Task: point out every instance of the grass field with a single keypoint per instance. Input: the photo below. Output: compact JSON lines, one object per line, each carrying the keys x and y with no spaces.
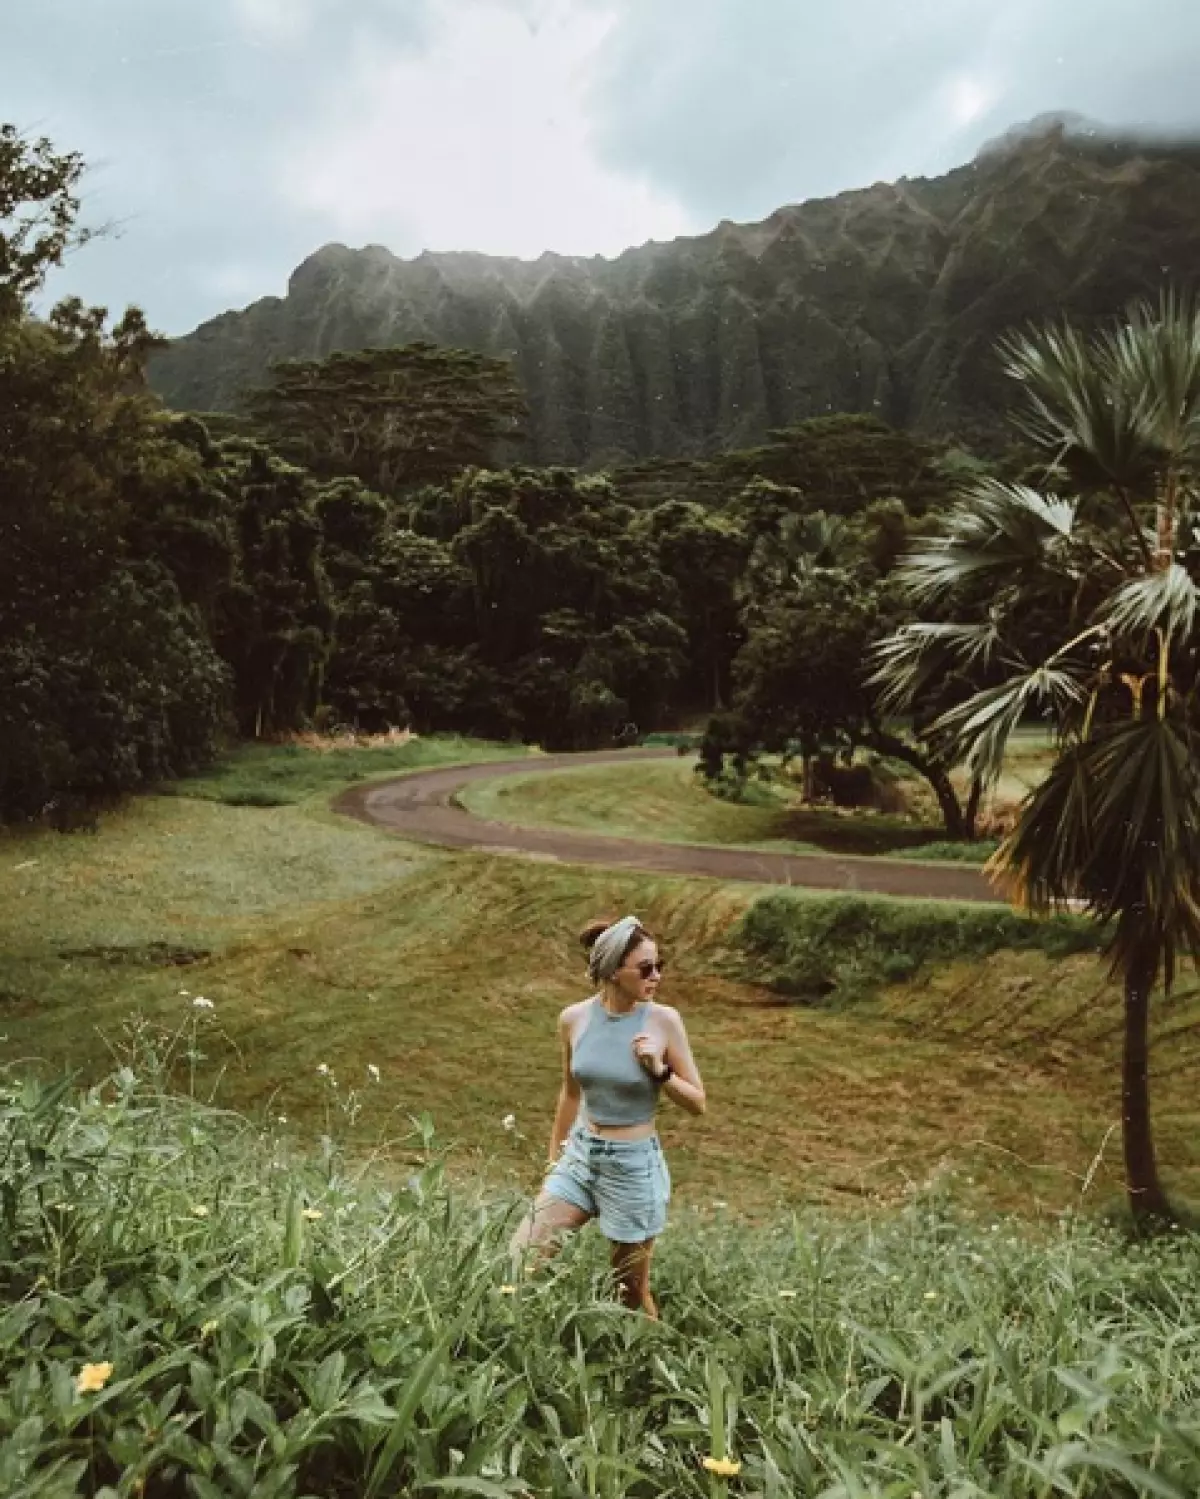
{"x":664,"y":800}
{"x":322,"y":942}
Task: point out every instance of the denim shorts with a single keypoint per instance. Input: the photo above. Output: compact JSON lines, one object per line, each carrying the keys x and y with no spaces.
{"x":623,"y":1184}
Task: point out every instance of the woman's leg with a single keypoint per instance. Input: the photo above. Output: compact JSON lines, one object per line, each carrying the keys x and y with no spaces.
{"x":539,"y":1234}
{"x":631,"y":1266}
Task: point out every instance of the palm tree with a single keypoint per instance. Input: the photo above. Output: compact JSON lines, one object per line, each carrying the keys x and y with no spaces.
{"x":1093,"y":623}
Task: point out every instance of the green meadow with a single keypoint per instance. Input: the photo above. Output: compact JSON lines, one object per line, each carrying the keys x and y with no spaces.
{"x":275,"y":1193}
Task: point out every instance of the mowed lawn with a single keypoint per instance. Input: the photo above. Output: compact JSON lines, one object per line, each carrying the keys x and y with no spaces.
{"x":665,"y":801}
{"x":323,"y":942}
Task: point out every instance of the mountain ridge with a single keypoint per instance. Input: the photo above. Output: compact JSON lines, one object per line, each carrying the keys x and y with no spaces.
{"x":885,"y":299}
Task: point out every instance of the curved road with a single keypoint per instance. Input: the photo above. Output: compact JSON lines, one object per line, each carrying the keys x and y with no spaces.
{"x":419,"y":807}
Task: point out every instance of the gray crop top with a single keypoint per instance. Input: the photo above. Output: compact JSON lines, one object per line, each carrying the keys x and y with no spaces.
{"x":616,"y":1088}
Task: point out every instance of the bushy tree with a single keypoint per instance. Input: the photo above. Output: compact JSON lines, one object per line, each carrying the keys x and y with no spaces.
{"x":107,"y":678}
{"x":393,"y":418}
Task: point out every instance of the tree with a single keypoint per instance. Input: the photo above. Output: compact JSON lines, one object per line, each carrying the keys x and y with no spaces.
{"x":39,"y":207}
{"x":107,"y":678}
{"x":801,"y":686}
{"x":393,"y":418}
{"x":1115,"y":826}
{"x":569,"y":610}
{"x":703,"y":552}
{"x":275,"y":619}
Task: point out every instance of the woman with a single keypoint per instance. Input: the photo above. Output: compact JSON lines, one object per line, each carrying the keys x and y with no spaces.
{"x":621,"y":1052}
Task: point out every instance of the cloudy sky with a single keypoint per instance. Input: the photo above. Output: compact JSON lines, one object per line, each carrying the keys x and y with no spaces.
{"x":228,"y":139}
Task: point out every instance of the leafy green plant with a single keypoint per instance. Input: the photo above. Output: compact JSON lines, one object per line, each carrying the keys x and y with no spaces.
{"x":194,"y":1308}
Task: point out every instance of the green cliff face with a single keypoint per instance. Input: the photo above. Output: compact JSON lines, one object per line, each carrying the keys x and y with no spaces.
{"x":886,"y":301}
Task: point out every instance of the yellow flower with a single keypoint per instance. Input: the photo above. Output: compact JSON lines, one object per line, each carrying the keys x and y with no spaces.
{"x":209,"y":1328}
{"x":508,"y":1290}
{"x":723,"y":1467}
{"x":199,"y":1210}
{"x":312,"y":1214}
{"x":92,"y":1377}
{"x":930,"y":1295}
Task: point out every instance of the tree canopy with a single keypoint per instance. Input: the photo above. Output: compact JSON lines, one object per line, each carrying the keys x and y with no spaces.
{"x":393,"y":418}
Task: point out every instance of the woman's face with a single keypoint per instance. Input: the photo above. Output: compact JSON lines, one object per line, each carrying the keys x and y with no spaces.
{"x":638,"y":975}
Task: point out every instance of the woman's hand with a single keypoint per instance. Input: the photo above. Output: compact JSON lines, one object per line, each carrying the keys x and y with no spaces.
{"x":650,"y":1052}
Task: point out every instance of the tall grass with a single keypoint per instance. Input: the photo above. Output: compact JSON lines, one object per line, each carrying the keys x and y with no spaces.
{"x":194,"y":1309}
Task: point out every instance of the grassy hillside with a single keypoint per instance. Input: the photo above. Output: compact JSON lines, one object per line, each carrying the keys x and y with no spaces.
{"x":321,"y":942}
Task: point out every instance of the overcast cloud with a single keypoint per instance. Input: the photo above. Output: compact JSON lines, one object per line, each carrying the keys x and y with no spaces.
{"x":231,"y":138}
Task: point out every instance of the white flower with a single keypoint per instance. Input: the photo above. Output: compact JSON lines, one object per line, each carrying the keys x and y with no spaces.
{"x":509,"y":1121}
{"x":373,"y":1071}
{"x":323,"y":1070}
{"x":200,"y":1003}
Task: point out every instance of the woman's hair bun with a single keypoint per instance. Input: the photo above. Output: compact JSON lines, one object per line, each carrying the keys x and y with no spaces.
{"x":592,"y":931}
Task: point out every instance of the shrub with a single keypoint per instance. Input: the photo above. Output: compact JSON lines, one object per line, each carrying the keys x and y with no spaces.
{"x":845,"y":947}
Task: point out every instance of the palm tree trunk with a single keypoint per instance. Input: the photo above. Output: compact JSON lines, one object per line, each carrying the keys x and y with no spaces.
{"x":1146,"y":1197}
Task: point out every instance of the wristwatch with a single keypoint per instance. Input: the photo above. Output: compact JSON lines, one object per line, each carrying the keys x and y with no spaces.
{"x":665,"y":1075}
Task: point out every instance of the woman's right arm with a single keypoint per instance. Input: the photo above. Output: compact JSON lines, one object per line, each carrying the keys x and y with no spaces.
{"x":568,"y":1094}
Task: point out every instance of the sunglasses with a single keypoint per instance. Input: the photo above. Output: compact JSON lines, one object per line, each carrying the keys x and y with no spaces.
{"x":646,"y":967}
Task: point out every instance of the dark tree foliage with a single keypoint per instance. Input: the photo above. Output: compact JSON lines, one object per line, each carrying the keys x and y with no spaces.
{"x":840,"y":464}
{"x":275,"y":618}
{"x":107,"y":678}
{"x":516,"y":603}
{"x":704,"y":554}
{"x":393,"y":418}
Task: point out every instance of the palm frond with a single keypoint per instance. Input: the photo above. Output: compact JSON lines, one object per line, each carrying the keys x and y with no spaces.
{"x":976,"y":732}
{"x":1156,"y":352}
{"x":995,"y":529}
{"x":1116,"y":824}
{"x":1097,"y":424}
{"x":1165,"y":600}
{"x":905,"y":662}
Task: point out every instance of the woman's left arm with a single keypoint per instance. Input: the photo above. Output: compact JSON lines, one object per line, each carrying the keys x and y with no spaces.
{"x":684,"y":1086}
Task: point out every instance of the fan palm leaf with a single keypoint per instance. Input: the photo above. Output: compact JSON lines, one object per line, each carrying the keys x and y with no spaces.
{"x":976,"y":733}
{"x":1165,"y":601}
{"x":907,"y":661}
{"x":998,"y":532}
{"x":1095,"y":424}
{"x":1156,"y":353}
{"x":1116,"y":824}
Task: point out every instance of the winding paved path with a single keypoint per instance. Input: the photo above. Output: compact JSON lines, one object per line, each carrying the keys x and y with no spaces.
{"x":419,"y":807}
